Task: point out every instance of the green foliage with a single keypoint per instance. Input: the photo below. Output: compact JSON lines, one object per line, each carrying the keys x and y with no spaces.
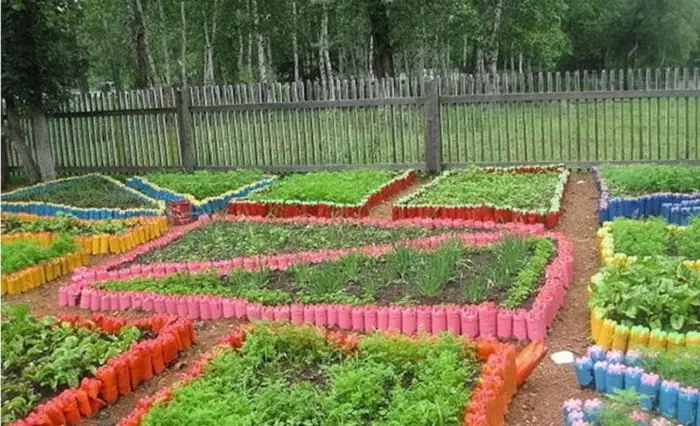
{"x":475,"y":186}
{"x":657,"y":292}
{"x":41,"y":357}
{"x":651,"y":237}
{"x":225,"y":240}
{"x":63,"y":223}
{"x":514,"y":269}
{"x":41,"y":55}
{"x":21,"y":254}
{"x":678,"y":364}
{"x":635,"y":180}
{"x":347,"y":187}
{"x":205,"y":184}
{"x":86,"y":192}
{"x":291,"y":376}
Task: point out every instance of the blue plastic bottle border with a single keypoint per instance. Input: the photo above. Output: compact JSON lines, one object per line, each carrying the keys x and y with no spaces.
{"x":646,"y":205}
{"x":207,"y":206}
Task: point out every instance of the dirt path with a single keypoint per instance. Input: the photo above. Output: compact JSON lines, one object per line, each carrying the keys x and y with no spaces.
{"x":539,"y":401}
{"x":383,"y":211}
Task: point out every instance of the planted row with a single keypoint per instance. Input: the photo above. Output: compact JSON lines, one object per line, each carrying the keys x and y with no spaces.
{"x":508,"y":272}
{"x":62,"y":223}
{"x":654,"y":236}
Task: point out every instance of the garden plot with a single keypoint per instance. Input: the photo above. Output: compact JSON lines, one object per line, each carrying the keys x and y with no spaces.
{"x":90,"y":196}
{"x":58,"y":371}
{"x":522,"y":194}
{"x":648,"y":190}
{"x":486,"y":283}
{"x":206,"y":191}
{"x":624,"y":238}
{"x":666,"y":380}
{"x":289,"y":375}
{"x":324,"y":194}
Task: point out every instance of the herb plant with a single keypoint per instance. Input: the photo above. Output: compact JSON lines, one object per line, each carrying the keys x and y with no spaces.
{"x":41,"y":357}
{"x":346,"y":187}
{"x":678,"y":364}
{"x":205,"y":184}
{"x":292,"y":376}
{"x":17,"y":255}
{"x":640,"y":179}
{"x":652,"y":237}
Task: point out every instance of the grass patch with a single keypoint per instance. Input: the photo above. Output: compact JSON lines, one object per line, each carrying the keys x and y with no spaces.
{"x":475,"y":186}
{"x":508,"y":272}
{"x":293,"y":376}
{"x":85,"y":192}
{"x":205,"y":184}
{"x":642,"y":179}
{"x":347,"y":187}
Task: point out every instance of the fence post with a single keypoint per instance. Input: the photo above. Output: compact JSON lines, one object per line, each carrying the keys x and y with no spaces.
{"x":184,"y":128}
{"x":431,"y":109}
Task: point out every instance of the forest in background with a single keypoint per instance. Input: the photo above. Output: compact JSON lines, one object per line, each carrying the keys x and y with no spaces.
{"x":142,"y":43}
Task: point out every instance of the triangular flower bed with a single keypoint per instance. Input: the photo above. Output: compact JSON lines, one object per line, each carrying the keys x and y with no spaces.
{"x":491,"y":194}
{"x":474,"y":390}
{"x":485,"y":319}
{"x":92,"y":196}
{"x":206,"y":205}
{"x":120,"y":374}
{"x":268,"y":203}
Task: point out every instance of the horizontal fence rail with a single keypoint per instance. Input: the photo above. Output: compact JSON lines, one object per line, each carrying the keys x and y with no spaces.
{"x":222,"y":126}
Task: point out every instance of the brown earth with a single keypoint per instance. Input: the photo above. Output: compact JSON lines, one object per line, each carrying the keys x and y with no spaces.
{"x":539,"y":400}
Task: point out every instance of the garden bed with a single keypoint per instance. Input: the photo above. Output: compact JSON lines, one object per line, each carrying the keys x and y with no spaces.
{"x":623,"y":240}
{"x":643,"y":190}
{"x":518,"y":194}
{"x":206,"y":191}
{"x":91,"y":196}
{"x":288,"y":375}
{"x":652,"y":302}
{"x":58,"y":371}
{"x":623,"y":410}
{"x":93,"y":236}
{"x":225,"y":299}
{"x":30,"y":261}
{"x":667,"y":381}
{"x":350,"y":193}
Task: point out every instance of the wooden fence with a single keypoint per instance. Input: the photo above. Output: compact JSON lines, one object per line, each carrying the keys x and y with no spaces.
{"x":223,"y":127}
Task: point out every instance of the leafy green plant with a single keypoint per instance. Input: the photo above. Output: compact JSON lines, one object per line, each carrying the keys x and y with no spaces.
{"x":63,"y":223}
{"x":657,"y":292}
{"x":17,"y":255}
{"x":225,"y":240}
{"x":678,"y":364}
{"x":474,"y":186}
{"x":346,"y":187}
{"x":205,"y":184}
{"x":640,"y":238}
{"x":687,"y":241}
{"x":292,"y":376}
{"x":86,"y":192}
{"x":43,"y":356}
{"x":527,"y":278}
{"x":640,"y":179}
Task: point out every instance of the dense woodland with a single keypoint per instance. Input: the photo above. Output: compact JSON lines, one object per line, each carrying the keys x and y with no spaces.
{"x":137,"y":43}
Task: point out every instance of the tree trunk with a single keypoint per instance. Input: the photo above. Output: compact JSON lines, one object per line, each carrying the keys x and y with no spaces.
{"x":5,"y":159}
{"x":324,"y":55}
{"x":209,"y":48}
{"x":260,"y":40}
{"x":295,"y":46}
{"x":491,"y":47}
{"x":183,"y":45}
{"x":479,"y":67}
{"x":383,"y":51}
{"x":13,"y":132}
{"x":141,"y":22}
{"x":164,"y":44}
{"x":44,"y":156}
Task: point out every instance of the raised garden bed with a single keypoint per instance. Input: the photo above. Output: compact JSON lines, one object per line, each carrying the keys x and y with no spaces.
{"x":622,"y":411}
{"x":28,"y":262}
{"x":667,"y":381}
{"x":91,"y":196}
{"x":59,"y":371}
{"x":517,"y":194}
{"x":642,"y":190}
{"x":289,"y":375}
{"x":350,"y":193}
{"x":650,"y":302}
{"x":206,"y":191}
{"x":526,"y":322}
{"x":93,"y":236}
